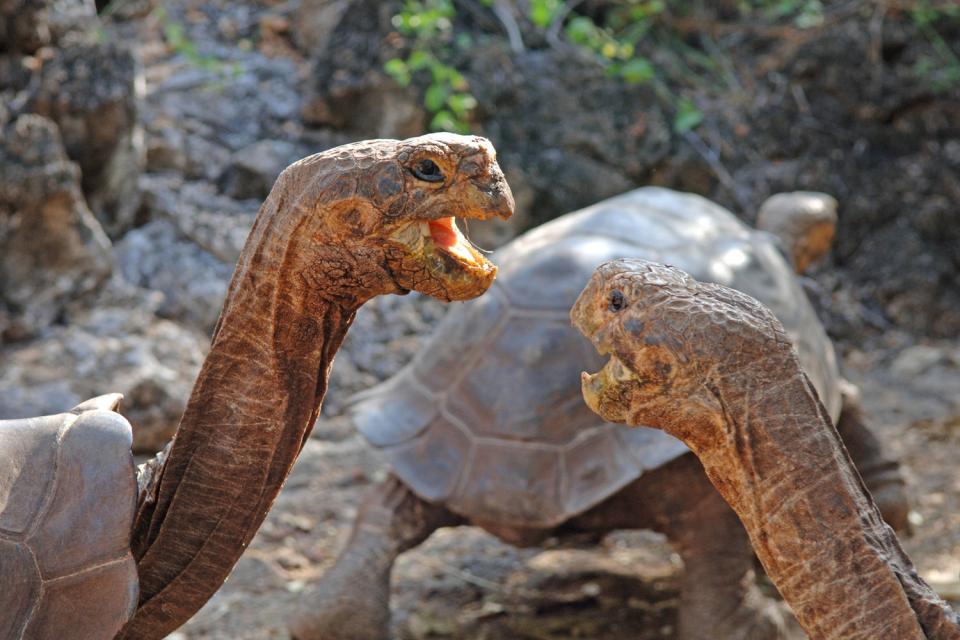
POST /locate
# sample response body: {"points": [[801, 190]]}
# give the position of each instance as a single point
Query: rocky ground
{"points": [[117, 243]]}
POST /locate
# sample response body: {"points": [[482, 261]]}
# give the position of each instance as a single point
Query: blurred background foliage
{"points": [[620, 33]]}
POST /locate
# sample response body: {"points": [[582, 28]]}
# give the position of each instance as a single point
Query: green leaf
{"points": [[398, 70], [581, 30], [462, 104], [457, 81], [542, 12], [637, 70], [173, 32], [445, 121], [688, 116], [436, 96], [419, 60]]}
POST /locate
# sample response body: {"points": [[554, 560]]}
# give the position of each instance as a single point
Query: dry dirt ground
{"points": [[464, 583]]}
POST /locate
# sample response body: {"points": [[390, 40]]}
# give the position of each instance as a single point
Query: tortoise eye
{"points": [[428, 171], [617, 301]]}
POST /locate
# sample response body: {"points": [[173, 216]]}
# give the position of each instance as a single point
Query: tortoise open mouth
{"points": [[448, 264], [447, 237], [604, 390]]}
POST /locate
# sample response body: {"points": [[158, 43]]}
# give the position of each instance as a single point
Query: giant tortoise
{"points": [[486, 426], [88, 550]]}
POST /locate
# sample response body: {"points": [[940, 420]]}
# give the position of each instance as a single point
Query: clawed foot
{"points": [[764, 620], [343, 607], [894, 504]]}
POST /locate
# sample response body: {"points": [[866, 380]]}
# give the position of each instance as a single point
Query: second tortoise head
{"points": [[670, 338]]}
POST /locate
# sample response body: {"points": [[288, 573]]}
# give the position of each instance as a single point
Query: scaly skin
{"points": [[338, 228], [714, 368]]}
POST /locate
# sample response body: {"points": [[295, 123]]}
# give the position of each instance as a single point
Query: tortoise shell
{"points": [[488, 417], [67, 499]]}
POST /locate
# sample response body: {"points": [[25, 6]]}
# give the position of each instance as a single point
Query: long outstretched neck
{"points": [[780, 464], [251, 409]]}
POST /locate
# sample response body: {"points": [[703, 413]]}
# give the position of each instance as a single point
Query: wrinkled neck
{"points": [[250, 411], [780, 464]]}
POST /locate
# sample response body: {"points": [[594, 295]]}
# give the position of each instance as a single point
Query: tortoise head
{"points": [[805, 222], [388, 209], [671, 341], [444, 177]]}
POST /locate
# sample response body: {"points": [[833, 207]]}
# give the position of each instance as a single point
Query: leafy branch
{"points": [[943, 68], [447, 97]]}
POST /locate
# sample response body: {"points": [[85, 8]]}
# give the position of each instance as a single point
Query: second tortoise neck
{"points": [[780, 464]]}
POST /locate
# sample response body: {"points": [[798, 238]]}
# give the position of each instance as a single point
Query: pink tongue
{"points": [[442, 232]]}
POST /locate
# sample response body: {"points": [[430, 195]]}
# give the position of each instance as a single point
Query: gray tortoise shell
{"points": [[488, 418], [67, 499]]}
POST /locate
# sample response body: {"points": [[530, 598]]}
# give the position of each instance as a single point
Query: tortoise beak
{"points": [[591, 387], [495, 196]]}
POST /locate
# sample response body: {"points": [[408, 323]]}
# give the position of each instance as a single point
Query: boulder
{"points": [[253, 169], [52, 249], [24, 25], [188, 248], [192, 281], [349, 89], [88, 90], [218, 224], [124, 349], [571, 139], [465, 584], [315, 20], [577, 137]]}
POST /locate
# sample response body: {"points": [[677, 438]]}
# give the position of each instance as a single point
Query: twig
{"points": [[875, 51], [712, 158], [504, 11], [553, 31]]}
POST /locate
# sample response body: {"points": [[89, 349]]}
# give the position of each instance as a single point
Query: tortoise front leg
{"points": [[352, 600], [880, 472], [719, 597]]}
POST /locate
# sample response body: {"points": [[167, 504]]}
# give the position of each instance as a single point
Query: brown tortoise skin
{"points": [[714, 368], [338, 228], [334, 232]]}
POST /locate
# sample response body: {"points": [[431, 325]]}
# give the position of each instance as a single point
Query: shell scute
{"points": [[29, 448], [558, 271], [594, 464], [529, 475], [449, 350], [527, 353], [387, 423], [85, 605], [21, 587], [88, 518], [431, 463]]}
